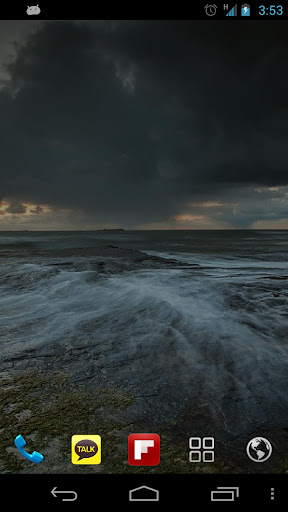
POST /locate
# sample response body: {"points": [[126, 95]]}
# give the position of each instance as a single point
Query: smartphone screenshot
{"points": [[144, 255]]}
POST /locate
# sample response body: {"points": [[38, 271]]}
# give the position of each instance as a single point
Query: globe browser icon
{"points": [[259, 449]]}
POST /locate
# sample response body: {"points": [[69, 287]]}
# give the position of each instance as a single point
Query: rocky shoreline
{"points": [[72, 386], [48, 410]]}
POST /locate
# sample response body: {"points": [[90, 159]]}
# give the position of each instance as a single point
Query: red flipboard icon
{"points": [[143, 449]]}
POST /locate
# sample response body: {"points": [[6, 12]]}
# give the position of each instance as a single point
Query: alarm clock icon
{"points": [[210, 9]]}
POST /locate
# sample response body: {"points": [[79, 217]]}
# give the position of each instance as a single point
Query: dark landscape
{"points": [[144, 239], [114, 340]]}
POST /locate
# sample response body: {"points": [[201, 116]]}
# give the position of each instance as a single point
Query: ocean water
{"points": [[210, 334]]}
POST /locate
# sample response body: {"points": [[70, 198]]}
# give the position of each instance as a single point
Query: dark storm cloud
{"points": [[130, 121]]}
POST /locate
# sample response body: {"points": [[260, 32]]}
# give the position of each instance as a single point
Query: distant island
{"points": [[113, 230]]}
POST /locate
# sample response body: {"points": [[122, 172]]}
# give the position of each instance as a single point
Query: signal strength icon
{"points": [[233, 11]]}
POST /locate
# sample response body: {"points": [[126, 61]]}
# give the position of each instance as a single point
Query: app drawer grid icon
{"points": [[201, 449]]}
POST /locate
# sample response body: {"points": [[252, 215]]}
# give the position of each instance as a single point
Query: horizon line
{"points": [[121, 230]]}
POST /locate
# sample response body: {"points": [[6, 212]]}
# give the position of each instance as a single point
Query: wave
{"points": [[192, 337]]}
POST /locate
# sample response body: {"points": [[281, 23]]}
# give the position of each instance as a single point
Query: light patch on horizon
{"points": [[189, 221], [3, 206], [271, 189], [210, 204], [188, 218], [280, 192], [16, 215], [32, 209], [10, 208]]}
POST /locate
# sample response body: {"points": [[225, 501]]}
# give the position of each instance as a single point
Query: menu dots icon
{"points": [[201, 449]]}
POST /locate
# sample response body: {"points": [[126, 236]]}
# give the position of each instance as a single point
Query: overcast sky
{"points": [[143, 125]]}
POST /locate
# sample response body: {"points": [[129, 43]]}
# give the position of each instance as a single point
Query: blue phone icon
{"points": [[33, 457]]}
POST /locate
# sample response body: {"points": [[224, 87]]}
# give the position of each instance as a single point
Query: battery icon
{"points": [[245, 10]]}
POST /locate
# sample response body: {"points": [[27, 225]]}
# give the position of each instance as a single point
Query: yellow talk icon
{"points": [[86, 449]]}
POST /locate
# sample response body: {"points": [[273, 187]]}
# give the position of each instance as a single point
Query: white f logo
{"points": [[142, 447]]}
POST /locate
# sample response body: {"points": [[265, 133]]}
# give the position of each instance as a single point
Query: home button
{"points": [[144, 493]]}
